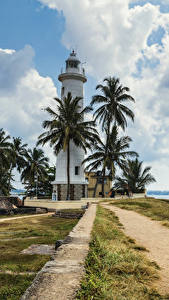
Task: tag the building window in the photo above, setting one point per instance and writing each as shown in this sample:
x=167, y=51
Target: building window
x=77, y=170
x=87, y=180
x=100, y=180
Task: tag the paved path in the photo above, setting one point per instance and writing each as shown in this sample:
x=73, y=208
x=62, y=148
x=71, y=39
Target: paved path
x=151, y=235
x=60, y=278
x=30, y=216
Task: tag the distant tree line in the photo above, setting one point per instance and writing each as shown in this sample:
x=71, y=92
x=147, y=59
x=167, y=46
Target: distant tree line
x=33, y=166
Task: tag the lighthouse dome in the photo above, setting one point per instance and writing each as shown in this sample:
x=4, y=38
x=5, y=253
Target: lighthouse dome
x=72, y=61
x=73, y=57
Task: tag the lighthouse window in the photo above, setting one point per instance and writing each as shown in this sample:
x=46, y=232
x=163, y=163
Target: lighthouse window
x=72, y=64
x=62, y=92
x=77, y=170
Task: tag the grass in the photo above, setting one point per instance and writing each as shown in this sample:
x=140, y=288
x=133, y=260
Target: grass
x=16, y=235
x=154, y=208
x=12, y=287
x=116, y=268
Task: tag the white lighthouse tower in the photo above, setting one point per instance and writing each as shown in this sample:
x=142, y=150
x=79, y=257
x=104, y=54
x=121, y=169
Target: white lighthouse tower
x=72, y=81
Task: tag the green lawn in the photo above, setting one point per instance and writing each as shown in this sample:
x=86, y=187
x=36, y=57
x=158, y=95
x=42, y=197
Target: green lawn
x=154, y=208
x=116, y=268
x=16, y=235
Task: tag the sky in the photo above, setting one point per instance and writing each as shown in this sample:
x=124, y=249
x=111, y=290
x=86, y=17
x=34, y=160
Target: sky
x=123, y=38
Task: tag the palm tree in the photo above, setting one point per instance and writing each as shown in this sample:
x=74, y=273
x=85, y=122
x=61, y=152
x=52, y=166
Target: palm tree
x=35, y=168
x=4, y=149
x=4, y=179
x=4, y=161
x=134, y=176
x=67, y=125
x=45, y=185
x=18, y=153
x=112, y=109
x=115, y=154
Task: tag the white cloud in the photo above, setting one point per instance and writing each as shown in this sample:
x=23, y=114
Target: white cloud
x=24, y=96
x=14, y=65
x=8, y=51
x=113, y=39
x=107, y=33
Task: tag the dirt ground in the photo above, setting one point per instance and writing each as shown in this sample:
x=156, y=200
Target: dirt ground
x=153, y=236
x=25, y=216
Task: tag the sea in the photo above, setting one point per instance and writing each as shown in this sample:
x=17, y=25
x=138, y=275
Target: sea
x=158, y=194
x=154, y=194
x=18, y=192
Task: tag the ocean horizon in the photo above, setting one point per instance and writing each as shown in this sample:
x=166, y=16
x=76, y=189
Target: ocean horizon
x=158, y=194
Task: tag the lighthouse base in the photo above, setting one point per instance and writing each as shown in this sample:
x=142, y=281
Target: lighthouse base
x=77, y=191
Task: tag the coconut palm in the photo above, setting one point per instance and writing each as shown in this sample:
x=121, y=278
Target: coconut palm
x=35, y=167
x=112, y=109
x=112, y=102
x=4, y=149
x=45, y=185
x=134, y=176
x=4, y=179
x=5, y=159
x=67, y=124
x=115, y=154
x=17, y=154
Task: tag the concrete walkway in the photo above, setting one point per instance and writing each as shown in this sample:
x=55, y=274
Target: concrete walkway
x=60, y=278
x=150, y=234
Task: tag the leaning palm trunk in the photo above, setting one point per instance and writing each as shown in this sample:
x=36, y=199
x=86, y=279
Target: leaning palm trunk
x=68, y=171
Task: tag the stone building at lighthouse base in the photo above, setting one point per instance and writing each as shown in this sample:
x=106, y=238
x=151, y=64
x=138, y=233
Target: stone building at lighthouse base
x=77, y=191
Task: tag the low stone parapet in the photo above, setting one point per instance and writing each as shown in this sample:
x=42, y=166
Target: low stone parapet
x=141, y=195
x=71, y=204
x=59, y=204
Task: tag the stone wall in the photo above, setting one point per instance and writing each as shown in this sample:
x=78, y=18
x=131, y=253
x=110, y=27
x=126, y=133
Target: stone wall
x=77, y=191
x=10, y=202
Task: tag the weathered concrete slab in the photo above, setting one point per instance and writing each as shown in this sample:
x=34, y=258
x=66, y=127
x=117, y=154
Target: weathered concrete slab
x=39, y=249
x=60, y=277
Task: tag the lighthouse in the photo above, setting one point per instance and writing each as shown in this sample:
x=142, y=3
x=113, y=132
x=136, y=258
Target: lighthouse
x=72, y=80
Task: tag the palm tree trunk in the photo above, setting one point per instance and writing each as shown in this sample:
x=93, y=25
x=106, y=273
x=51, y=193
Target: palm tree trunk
x=95, y=188
x=9, y=181
x=68, y=171
x=103, y=179
x=104, y=166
